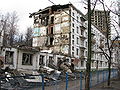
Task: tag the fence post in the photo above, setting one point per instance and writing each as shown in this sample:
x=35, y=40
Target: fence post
x=66, y=80
x=43, y=82
x=80, y=80
x=90, y=79
x=0, y=83
x=114, y=72
x=103, y=75
x=97, y=77
x=106, y=76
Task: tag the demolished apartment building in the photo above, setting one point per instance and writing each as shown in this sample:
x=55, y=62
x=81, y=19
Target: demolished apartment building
x=62, y=29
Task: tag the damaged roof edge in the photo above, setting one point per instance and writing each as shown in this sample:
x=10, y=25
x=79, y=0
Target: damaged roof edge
x=57, y=7
x=50, y=7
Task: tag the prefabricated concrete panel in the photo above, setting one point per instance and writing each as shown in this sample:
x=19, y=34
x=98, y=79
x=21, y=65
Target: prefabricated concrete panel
x=57, y=28
x=57, y=39
x=65, y=49
x=36, y=32
x=65, y=18
x=42, y=31
x=65, y=12
x=57, y=18
x=56, y=49
x=65, y=29
x=65, y=24
x=35, y=40
x=42, y=41
x=65, y=39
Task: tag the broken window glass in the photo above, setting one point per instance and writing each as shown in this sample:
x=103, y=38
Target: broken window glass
x=9, y=57
x=27, y=59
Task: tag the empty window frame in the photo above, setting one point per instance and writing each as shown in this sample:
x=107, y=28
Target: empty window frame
x=51, y=40
x=51, y=60
x=27, y=59
x=77, y=29
x=52, y=19
x=41, y=60
x=72, y=36
x=73, y=30
x=77, y=40
x=51, y=30
x=72, y=41
x=82, y=63
x=73, y=54
x=73, y=25
x=77, y=51
x=73, y=13
x=82, y=32
x=73, y=48
x=9, y=57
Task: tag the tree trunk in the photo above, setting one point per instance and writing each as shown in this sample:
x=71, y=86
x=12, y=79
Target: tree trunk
x=88, y=64
x=109, y=70
x=109, y=74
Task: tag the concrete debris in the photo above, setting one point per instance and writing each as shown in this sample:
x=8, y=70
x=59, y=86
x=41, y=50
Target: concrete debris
x=50, y=74
x=14, y=78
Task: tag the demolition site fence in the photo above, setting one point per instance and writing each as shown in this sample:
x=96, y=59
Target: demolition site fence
x=66, y=82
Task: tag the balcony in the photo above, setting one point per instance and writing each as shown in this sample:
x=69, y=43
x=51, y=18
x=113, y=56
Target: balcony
x=82, y=57
x=101, y=45
x=93, y=41
x=82, y=19
x=101, y=39
x=82, y=26
x=92, y=33
x=82, y=37
x=82, y=47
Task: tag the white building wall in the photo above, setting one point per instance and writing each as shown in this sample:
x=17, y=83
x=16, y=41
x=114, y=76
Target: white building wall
x=34, y=65
x=14, y=66
x=76, y=32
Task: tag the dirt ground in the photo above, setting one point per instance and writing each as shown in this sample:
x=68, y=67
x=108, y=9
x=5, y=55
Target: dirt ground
x=115, y=85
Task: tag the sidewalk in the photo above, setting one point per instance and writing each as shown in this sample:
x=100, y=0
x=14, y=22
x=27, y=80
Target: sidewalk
x=115, y=85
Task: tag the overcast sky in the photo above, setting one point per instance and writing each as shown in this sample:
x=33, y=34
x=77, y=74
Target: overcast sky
x=24, y=7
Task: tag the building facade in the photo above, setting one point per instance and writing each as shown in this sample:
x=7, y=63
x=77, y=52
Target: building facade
x=102, y=20
x=63, y=30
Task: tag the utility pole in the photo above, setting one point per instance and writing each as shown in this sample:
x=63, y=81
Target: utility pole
x=88, y=64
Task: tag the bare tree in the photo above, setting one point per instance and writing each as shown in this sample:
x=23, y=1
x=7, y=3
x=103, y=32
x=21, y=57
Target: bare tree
x=116, y=48
x=107, y=53
x=28, y=37
x=9, y=28
x=109, y=43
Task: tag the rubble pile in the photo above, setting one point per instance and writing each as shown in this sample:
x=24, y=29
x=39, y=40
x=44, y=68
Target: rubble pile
x=13, y=78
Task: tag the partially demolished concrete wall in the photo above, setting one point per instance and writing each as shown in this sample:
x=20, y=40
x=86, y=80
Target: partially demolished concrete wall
x=52, y=28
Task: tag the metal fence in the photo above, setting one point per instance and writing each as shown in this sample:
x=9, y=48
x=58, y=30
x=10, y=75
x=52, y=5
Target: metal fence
x=65, y=82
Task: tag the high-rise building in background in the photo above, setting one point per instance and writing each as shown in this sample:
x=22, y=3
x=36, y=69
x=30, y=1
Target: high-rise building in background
x=99, y=19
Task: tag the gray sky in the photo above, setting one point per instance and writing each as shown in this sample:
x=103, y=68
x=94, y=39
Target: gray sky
x=24, y=7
